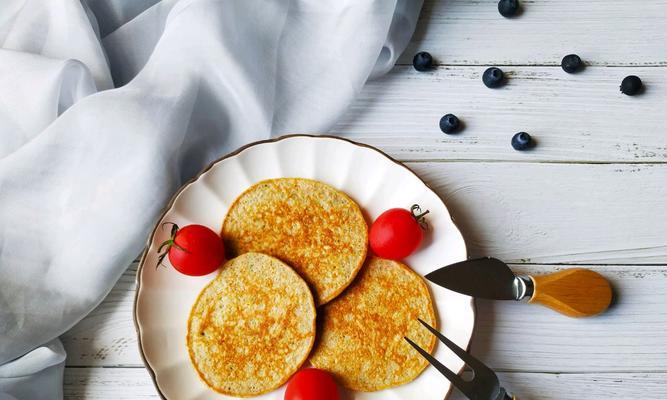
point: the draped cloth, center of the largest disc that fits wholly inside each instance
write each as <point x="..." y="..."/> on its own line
<point x="108" y="106"/>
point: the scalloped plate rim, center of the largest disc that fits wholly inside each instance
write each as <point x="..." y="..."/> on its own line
<point x="238" y="152"/>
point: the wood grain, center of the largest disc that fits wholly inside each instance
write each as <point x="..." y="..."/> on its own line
<point x="556" y="213"/>
<point x="574" y="118"/>
<point x="602" y="32"/>
<point x="575" y="292"/>
<point x="541" y="386"/>
<point x="108" y="383"/>
<point x="134" y="384"/>
<point x="627" y="337"/>
<point x="509" y="337"/>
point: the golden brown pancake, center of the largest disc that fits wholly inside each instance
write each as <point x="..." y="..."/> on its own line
<point x="361" y="340"/>
<point x="252" y="327"/>
<point x="314" y="228"/>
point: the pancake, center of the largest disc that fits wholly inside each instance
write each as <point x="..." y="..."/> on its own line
<point x="314" y="228"/>
<point x="362" y="331"/>
<point x="252" y="327"/>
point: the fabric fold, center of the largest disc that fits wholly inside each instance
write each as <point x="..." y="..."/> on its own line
<point x="85" y="168"/>
<point x="54" y="86"/>
<point x="37" y="375"/>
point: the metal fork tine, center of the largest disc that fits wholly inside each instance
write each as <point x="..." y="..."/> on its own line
<point x="476" y="365"/>
<point x="449" y="374"/>
<point x="484" y="384"/>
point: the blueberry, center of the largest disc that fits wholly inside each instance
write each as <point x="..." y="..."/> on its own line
<point x="571" y="63"/>
<point x="508" y="8"/>
<point x="422" y="61"/>
<point x="449" y="123"/>
<point x="493" y="77"/>
<point x="631" y="85"/>
<point x="522" y="141"/>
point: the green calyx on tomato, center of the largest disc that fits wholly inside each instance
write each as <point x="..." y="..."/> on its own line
<point x="168" y="244"/>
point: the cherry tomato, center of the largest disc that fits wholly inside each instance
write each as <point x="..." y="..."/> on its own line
<point x="312" y="384"/>
<point x="193" y="250"/>
<point x="397" y="232"/>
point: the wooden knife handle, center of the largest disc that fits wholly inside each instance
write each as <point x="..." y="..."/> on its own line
<point x="575" y="292"/>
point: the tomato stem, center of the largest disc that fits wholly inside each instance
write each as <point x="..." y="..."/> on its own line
<point x="419" y="215"/>
<point x="169" y="243"/>
<point x="416" y="209"/>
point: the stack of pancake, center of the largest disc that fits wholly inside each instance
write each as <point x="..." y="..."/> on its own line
<point x="300" y="251"/>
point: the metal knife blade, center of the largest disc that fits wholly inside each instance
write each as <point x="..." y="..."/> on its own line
<point x="486" y="277"/>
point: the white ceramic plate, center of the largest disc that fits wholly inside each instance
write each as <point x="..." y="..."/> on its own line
<point x="372" y="179"/>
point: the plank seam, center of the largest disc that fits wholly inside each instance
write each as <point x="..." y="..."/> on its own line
<point x="499" y="370"/>
<point x="555" y="65"/>
<point x="498" y="161"/>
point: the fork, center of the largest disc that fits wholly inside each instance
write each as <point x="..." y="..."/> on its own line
<point x="483" y="386"/>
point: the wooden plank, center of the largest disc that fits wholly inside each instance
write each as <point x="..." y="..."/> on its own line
<point x="628" y="337"/>
<point x="108" y="383"/>
<point x="135" y="384"/>
<point x="603" y="32"/>
<point x="556" y="213"/>
<point x="602" y="386"/>
<point x="574" y="118"/>
<point x="509" y="336"/>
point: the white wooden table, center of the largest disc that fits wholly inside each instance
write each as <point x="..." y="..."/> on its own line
<point x="593" y="192"/>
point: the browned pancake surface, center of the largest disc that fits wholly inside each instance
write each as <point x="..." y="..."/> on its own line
<point x="252" y="327"/>
<point x="314" y="228"/>
<point x="361" y="336"/>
